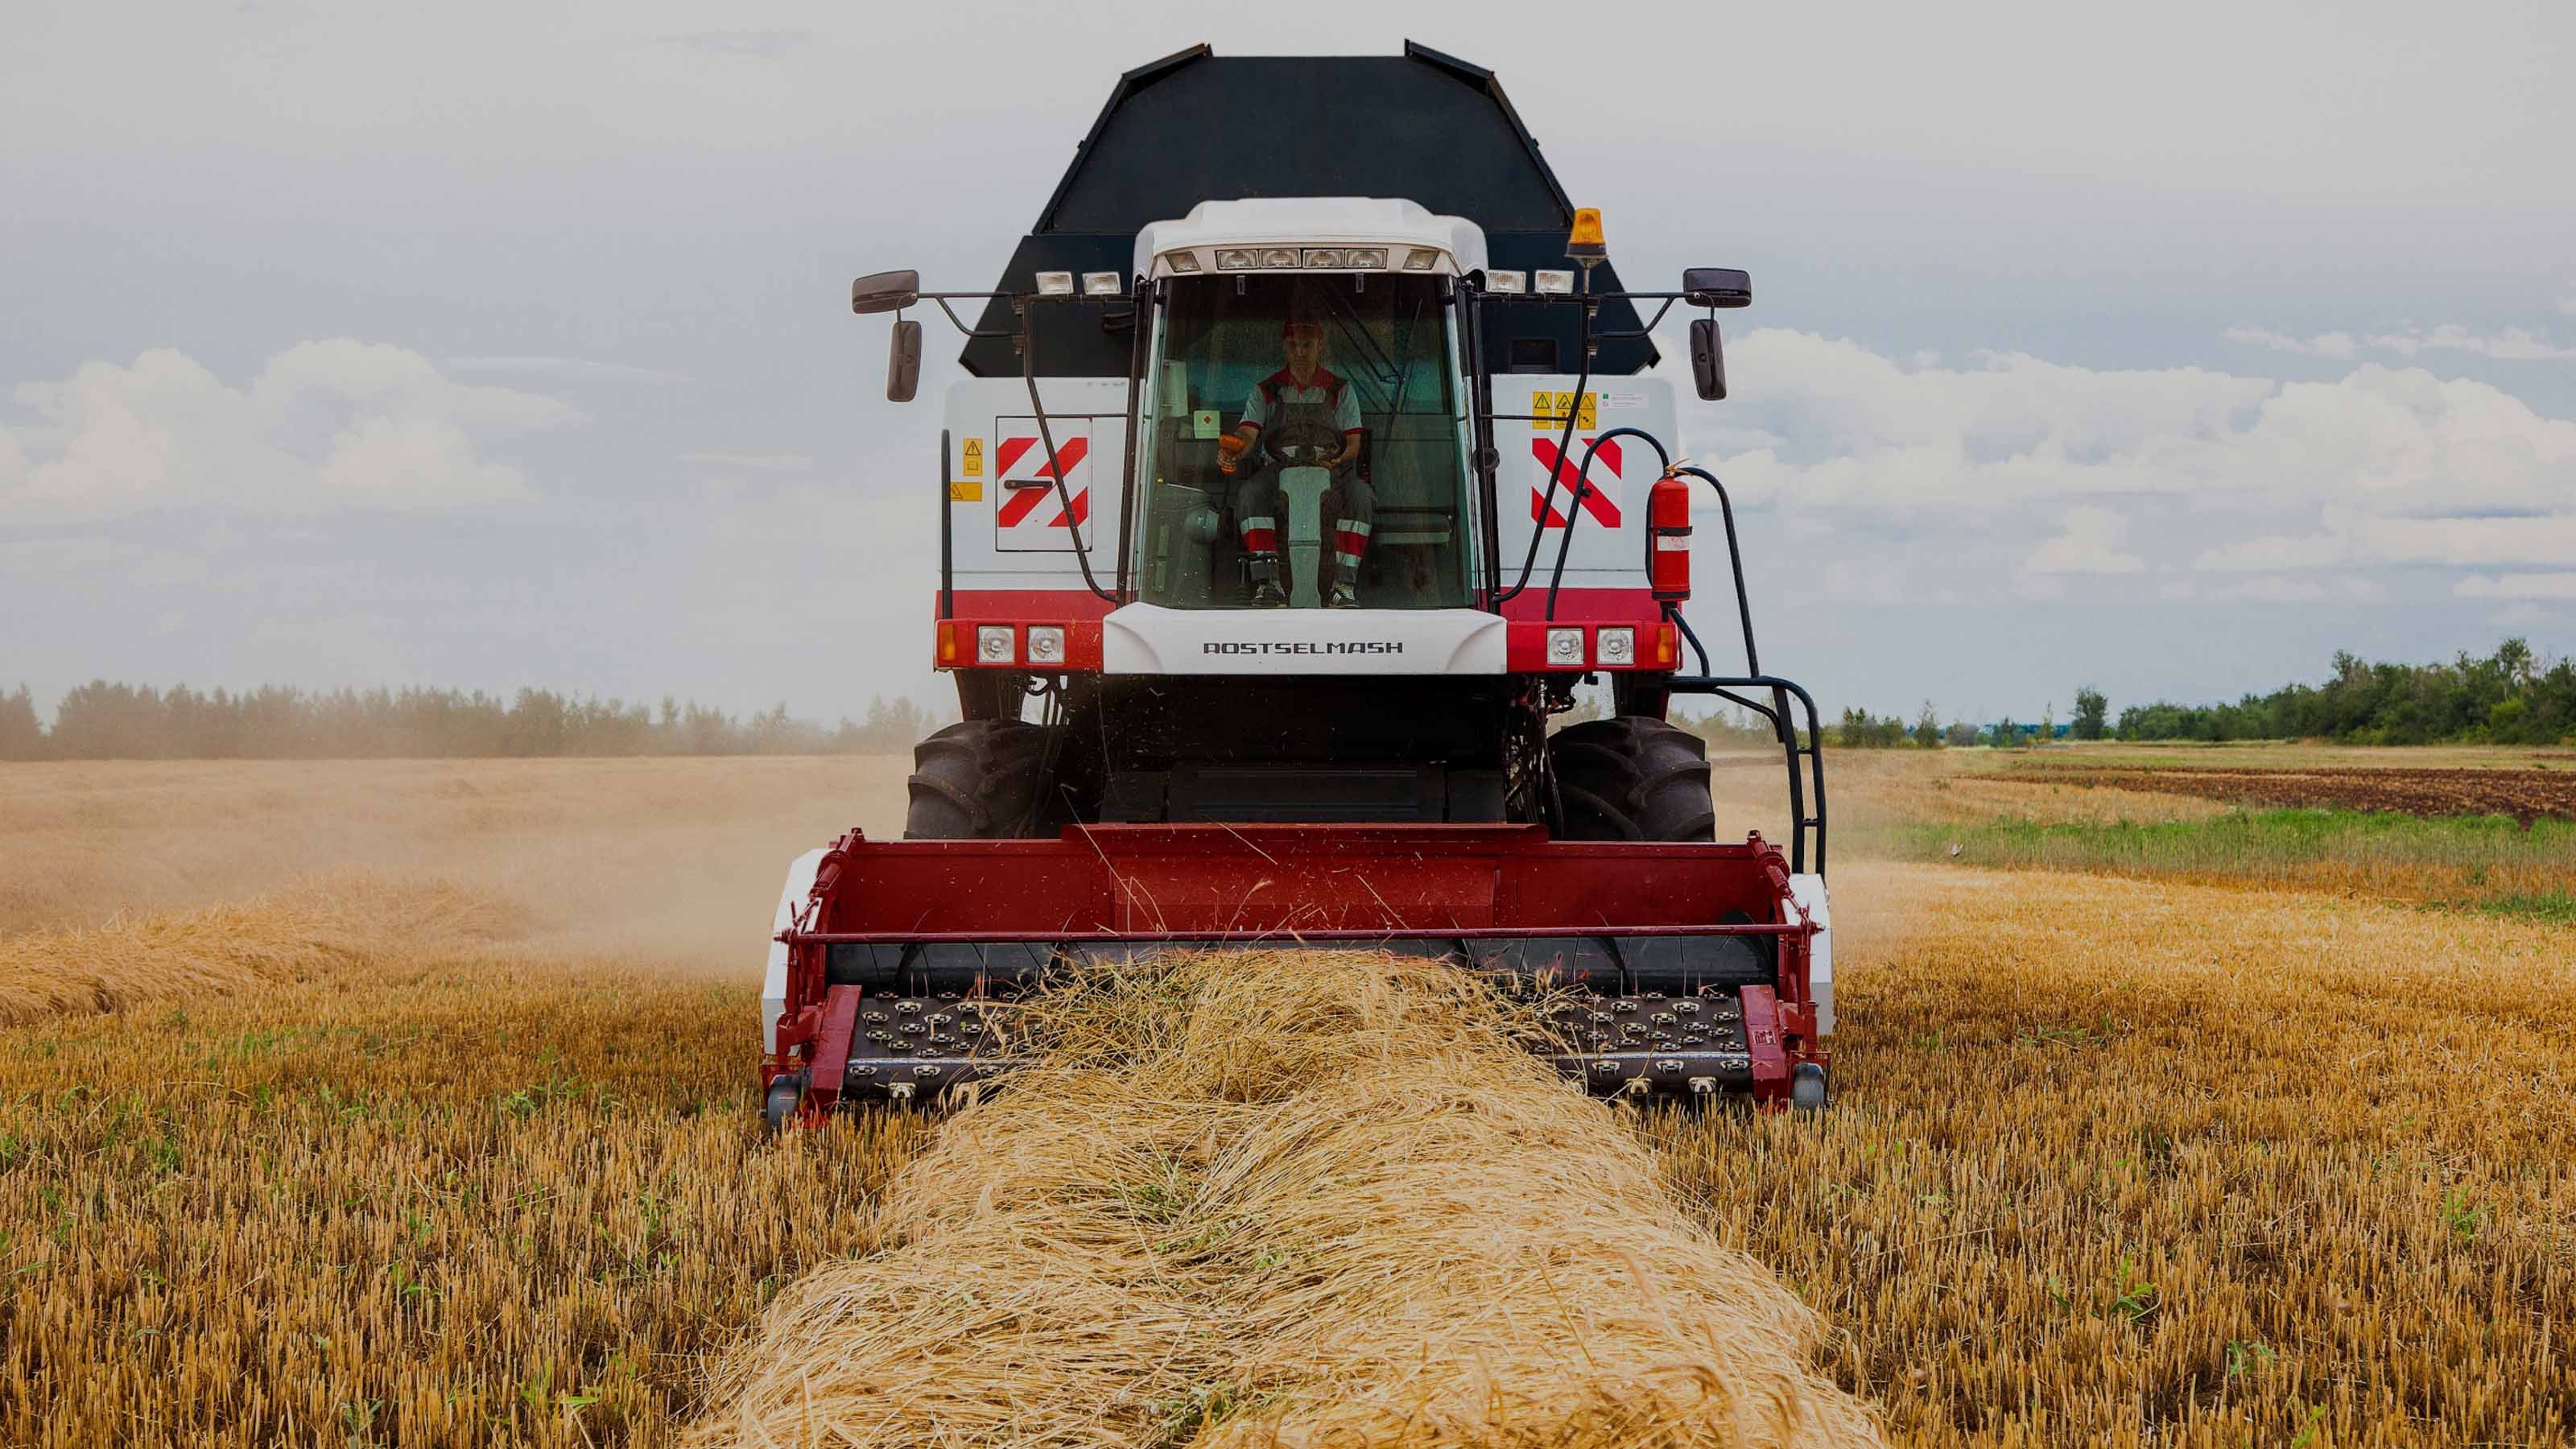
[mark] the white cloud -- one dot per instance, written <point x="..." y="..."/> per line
<point x="2385" y="465"/>
<point x="765" y="461"/>
<point x="1864" y="584"/>
<point x="325" y="425"/>
<point x="2272" y="590"/>
<point x="2513" y="344"/>
<point x="2089" y="544"/>
<point x="2517" y="586"/>
<point x="2521" y="616"/>
<point x="2265" y="555"/>
<point x="569" y="369"/>
<point x="2340" y="346"/>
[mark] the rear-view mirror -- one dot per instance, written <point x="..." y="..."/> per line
<point x="885" y="292"/>
<point x="1718" y="287"/>
<point x="903" y="362"/>
<point x="1708" y="360"/>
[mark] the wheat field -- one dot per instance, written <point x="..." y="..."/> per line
<point x="458" y="1148"/>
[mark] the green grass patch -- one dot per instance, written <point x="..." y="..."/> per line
<point x="2486" y="863"/>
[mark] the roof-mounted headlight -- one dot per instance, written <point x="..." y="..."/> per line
<point x="1506" y="284"/>
<point x="1055" y="284"/>
<point x="1334" y="257"/>
<point x="1369" y="258"/>
<point x="1279" y="256"/>
<point x="1183" y="261"/>
<point x="1237" y="259"/>
<point x="1421" y="259"/>
<point x="1100" y="284"/>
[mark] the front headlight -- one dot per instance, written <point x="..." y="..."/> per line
<point x="1565" y="647"/>
<point x="1046" y="644"/>
<point x="1615" y="646"/>
<point x="993" y="643"/>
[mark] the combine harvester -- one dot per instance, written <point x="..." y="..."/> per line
<point x="1305" y="468"/>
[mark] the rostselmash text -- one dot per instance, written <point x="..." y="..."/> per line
<point x="1306" y="646"/>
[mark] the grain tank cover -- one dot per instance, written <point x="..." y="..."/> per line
<point x="1196" y="127"/>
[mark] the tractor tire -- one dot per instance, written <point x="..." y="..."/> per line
<point x="1631" y="778"/>
<point x="978" y="779"/>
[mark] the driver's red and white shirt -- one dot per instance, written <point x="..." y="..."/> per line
<point x="1281" y="390"/>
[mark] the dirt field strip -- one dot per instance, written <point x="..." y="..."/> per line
<point x="2522" y="794"/>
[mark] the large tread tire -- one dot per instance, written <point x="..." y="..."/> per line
<point x="1632" y="778"/>
<point x="976" y="780"/>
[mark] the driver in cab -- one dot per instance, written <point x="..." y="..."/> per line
<point x="1305" y="417"/>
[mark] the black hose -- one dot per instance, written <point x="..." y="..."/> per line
<point x="1574" y="509"/>
<point x="1564" y="444"/>
<point x="1046" y="439"/>
<point x="1735" y="558"/>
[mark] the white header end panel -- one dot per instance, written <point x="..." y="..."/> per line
<point x="1609" y="549"/>
<point x="1006" y="537"/>
<point x="1809" y="891"/>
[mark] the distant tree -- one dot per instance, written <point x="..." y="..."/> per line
<point x="2091" y="712"/>
<point x="2005" y="734"/>
<point x="22" y="735"/>
<point x="1861" y="730"/>
<point x="1960" y="733"/>
<point x="1927" y="730"/>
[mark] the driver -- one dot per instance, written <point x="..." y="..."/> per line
<point x="1310" y="418"/>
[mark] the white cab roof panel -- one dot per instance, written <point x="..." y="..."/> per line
<point x="1312" y="221"/>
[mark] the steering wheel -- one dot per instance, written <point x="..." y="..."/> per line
<point x="1304" y="446"/>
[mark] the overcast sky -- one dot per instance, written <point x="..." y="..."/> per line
<point x="2167" y="348"/>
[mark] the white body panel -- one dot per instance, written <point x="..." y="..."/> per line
<point x="1001" y="537"/>
<point x="1809" y="892"/>
<point x="1609" y="549"/>
<point x="773" y="981"/>
<point x="1150" y="639"/>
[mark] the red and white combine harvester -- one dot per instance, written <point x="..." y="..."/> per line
<point x="1292" y="515"/>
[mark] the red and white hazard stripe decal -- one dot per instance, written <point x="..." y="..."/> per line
<point x="1600" y="497"/>
<point x="1021" y="505"/>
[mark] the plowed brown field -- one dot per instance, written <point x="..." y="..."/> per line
<point x="2522" y="794"/>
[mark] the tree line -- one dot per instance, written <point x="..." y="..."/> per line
<point x="2510" y="697"/>
<point x="107" y="721"/>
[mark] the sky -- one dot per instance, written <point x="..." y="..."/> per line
<point x="2163" y="349"/>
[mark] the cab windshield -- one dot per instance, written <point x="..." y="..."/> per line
<point x="1303" y="445"/>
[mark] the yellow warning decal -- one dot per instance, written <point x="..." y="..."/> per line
<point x="1547" y="410"/>
<point x="970" y="463"/>
<point x="965" y="490"/>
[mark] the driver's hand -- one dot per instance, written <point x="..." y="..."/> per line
<point x="1229" y="451"/>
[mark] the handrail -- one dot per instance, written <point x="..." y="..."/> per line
<point x="1801" y="822"/>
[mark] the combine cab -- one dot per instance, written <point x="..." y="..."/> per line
<point x="1291" y="519"/>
